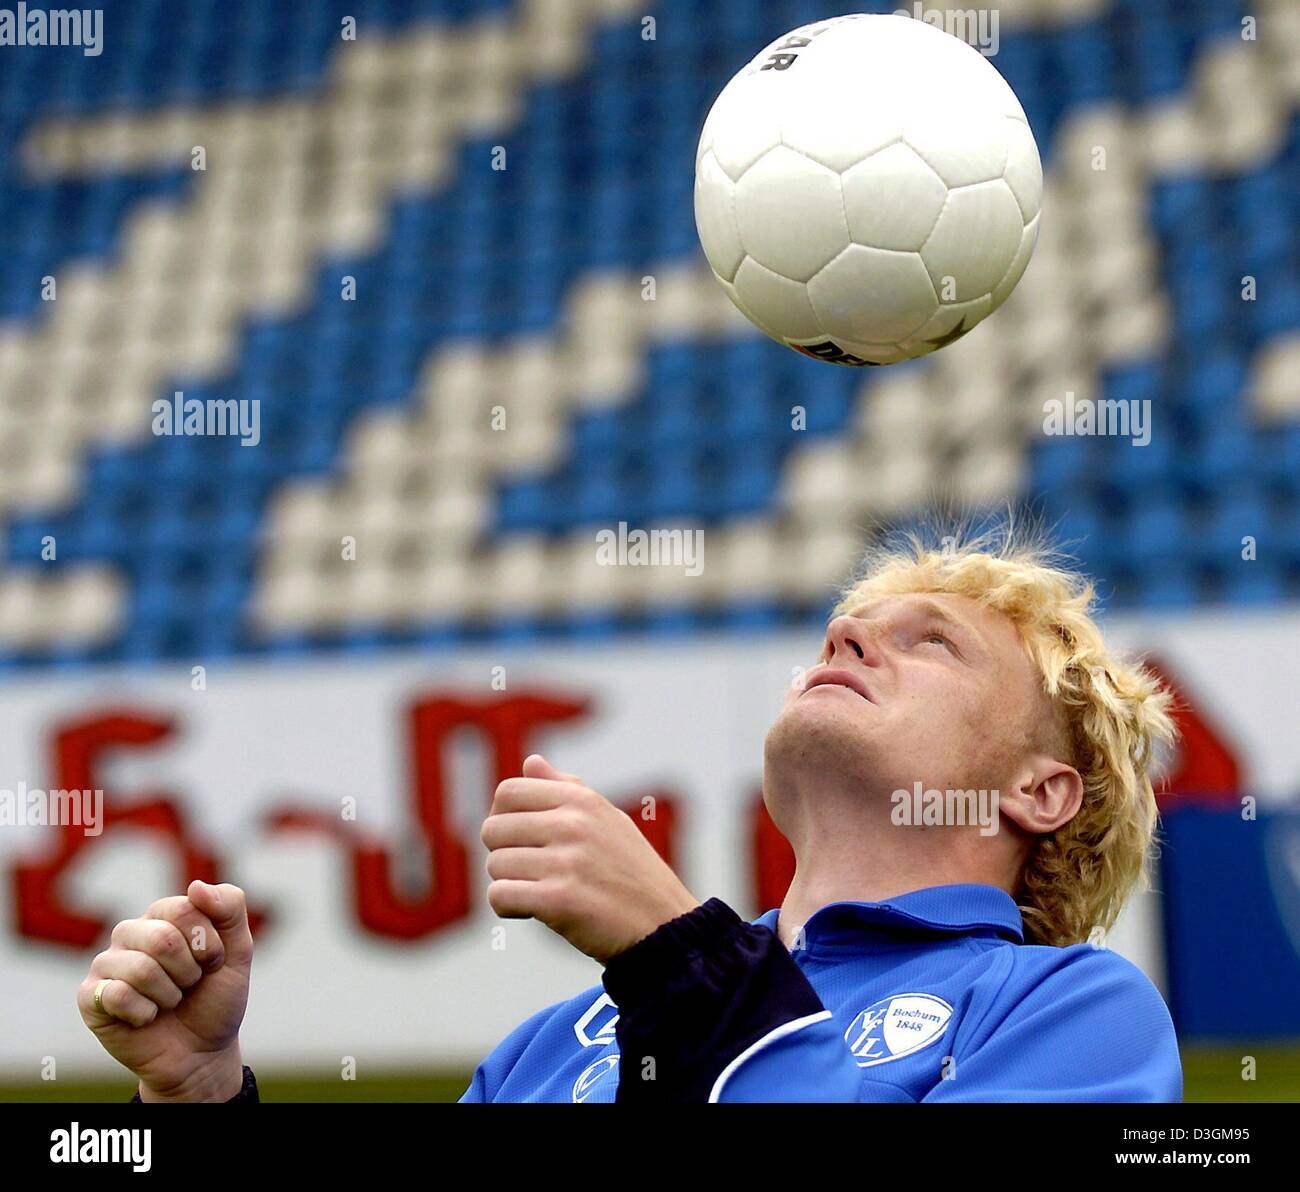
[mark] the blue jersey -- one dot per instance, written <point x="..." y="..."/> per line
<point x="930" y="996"/>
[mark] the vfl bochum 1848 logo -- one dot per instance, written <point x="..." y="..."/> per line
<point x="897" y="1026"/>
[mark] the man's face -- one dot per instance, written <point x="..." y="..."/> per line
<point x="928" y="688"/>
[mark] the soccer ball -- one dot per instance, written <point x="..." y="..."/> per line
<point x="867" y="189"/>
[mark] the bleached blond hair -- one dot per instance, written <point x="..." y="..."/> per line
<point x="1110" y="712"/>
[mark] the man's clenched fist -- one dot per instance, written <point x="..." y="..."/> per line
<point x="561" y="853"/>
<point x="177" y="987"/>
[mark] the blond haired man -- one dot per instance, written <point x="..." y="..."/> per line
<point x="963" y="776"/>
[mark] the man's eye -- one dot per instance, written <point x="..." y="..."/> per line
<point x="938" y="635"/>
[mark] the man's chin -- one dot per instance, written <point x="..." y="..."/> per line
<point x="826" y="728"/>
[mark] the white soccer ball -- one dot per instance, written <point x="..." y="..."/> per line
<point x="867" y="189"/>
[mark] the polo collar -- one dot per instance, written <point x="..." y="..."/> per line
<point x="965" y="909"/>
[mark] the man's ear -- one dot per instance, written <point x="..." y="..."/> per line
<point x="1046" y="794"/>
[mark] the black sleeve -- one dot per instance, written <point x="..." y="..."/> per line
<point x="694" y="995"/>
<point x="248" y="1092"/>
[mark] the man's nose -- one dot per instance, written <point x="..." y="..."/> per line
<point x="849" y="638"/>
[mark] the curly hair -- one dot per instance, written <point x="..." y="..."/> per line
<point x="1111" y="712"/>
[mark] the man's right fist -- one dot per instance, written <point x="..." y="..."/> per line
<point x="177" y="987"/>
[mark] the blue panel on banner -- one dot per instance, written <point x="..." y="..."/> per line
<point x="1232" y="921"/>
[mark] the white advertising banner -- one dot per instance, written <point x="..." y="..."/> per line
<point x="346" y="796"/>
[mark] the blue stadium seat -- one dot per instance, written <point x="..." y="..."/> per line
<point x="597" y="495"/>
<point x="744" y="484"/>
<point x="1177" y="585"/>
<point x="1159" y="530"/>
<point x="525" y="504"/>
<point x="1253" y="583"/>
<point x="1236" y="515"/>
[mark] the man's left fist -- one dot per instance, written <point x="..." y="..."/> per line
<point x="561" y="853"/>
